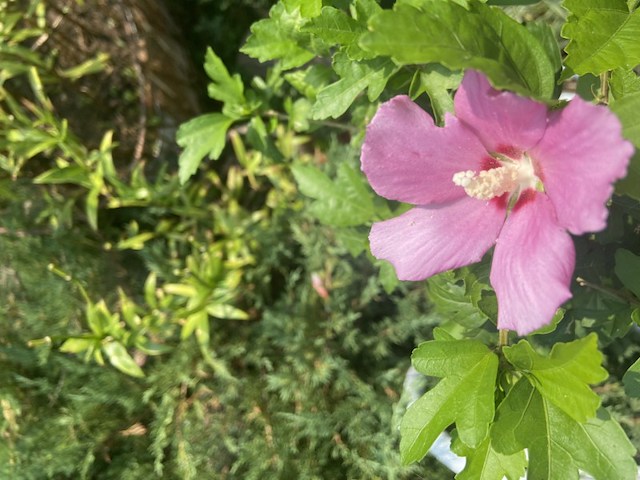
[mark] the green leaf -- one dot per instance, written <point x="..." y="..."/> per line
<point x="457" y="295"/>
<point x="347" y="202"/>
<point x="512" y="2"/>
<point x="308" y="8"/>
<point x="631" y="380"/>
<point x="230" y="312"/>
<point x="483" y="37"/>
<point x="120" y="358"/>
<point x="333" y="100"/>
<point x="77" y="344"/>
<point x="564" y="376"/>
<point x="627" y="109"/>
<point x="558" y="445"/>
<point x="74" y="174"/>
<point x="204" y="135"/>
<point x="224" y="87"/>
<point x="335" y="27"/>
<point x="485" y="463"/>
<point x="603" y="35"/>
<point x="437" y="82"/>
<point x="627" y="268"/>
<point x="623" y="82"/>
<point x="465" y="395"/>
<point x="279" y="38"/>
<point x="387" y="275"/>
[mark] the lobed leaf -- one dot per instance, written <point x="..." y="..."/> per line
<point x="602" y="34"/>
<point x="464" y="396"/>
<point x="279" y="38"/>
<point x="557" y="444"/>
<point x="223" y="86"/>
<point x="333" y="100"/>
<point x="564" y="376"/>
<point x="482" y="37"/>
<point x="485" y="463"/>
<point x="199" y="137"/>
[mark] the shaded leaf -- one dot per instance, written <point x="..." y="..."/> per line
<point x="223" y="87"/>
<point x="347" y="202"/>
<point x="627" y="268"/>
<point x="631" y="380"/>
<point x="202" y="136"/>
<point x="559" y="446"/>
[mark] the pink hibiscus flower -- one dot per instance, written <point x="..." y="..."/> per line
<point x="503" y="171"/>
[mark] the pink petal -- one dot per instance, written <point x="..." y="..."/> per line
<point x="429" y="240"/>
<point x="504" y="121"/>
<point x="532" y="266"/>
<point x="580" y="156"/>
<point x="406" y="157"/>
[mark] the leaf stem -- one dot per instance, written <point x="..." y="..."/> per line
<point x="603" y="97"/>
<point x="503" y="338"/>
<point x="607" y="291"/>
<point x="326" y="123"/>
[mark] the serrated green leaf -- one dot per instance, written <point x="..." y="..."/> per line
<point x="623" y="82"/>
<point x="465" y="396"/>
<point x="202" y="136"/>
<point x="484" y="38"/>
<point x="437" y="82"/>
<point x="559" y="446"/>
<point x="308" y="8"/>
<point x="456" y="296"/>
<point x="485" y="463"/>
<point x="603" y="35"/>
<point x="120" y="358"/>
<point x="335" y="27"/>
<point x="224" y="87"/>
<point x="333" y="100"/>
<point x="279" y="38"/>
<point x="312" y="182"/>
<point x="347" y="202"/>
<point x="354" y="240"/>
<point x="564" y="376"/>
<point x="627" y="268"/>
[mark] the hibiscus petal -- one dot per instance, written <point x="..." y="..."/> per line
<point x="429" y="240"/>
<point x="504" y="121"/>
<point x="532" y="266"/>
<point x="406" y="157"/>
<point x="580" y="156"/>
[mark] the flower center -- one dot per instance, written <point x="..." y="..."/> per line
<point x="512" y="176"/>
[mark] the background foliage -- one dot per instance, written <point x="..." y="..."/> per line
<point x="166" y="316"/>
